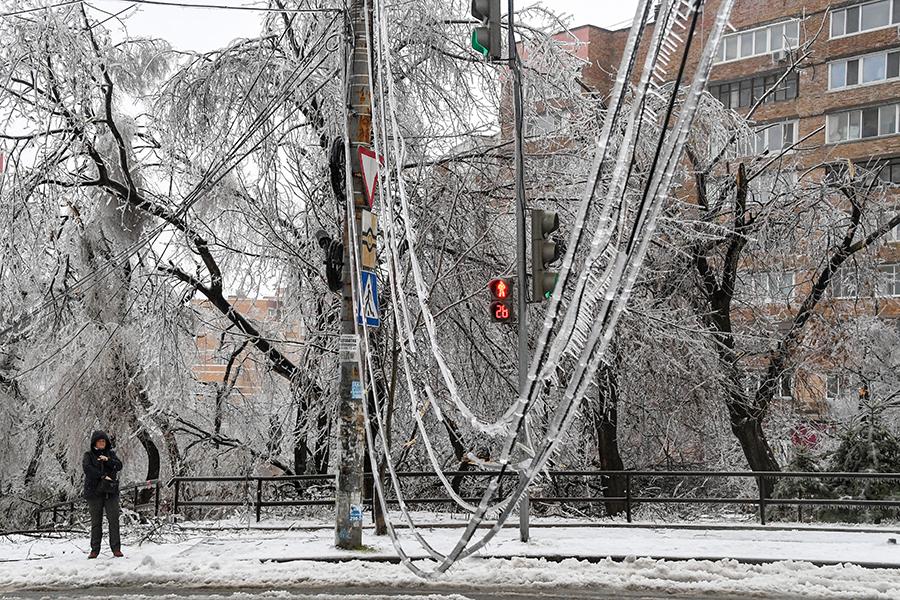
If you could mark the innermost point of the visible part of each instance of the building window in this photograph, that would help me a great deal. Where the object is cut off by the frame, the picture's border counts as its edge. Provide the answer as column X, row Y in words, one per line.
column 861, row 123
column 772, row 187
column 746, row 92
column 545, row 123
column 864, row 17
column 759, row 41
column 890, row 172
column 887, row 170
column 893, row 236
column 783, row 386
column 836, row 386
column 844, row 283
column 873, row 68
column 764, row 287
column 775, row 136
column 889, row 280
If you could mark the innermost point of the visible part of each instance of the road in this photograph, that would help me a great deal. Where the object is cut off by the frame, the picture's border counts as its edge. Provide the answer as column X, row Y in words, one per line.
column 350, row 593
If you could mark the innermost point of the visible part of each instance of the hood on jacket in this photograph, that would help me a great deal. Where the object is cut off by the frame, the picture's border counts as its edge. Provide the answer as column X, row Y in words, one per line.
column 100, row 435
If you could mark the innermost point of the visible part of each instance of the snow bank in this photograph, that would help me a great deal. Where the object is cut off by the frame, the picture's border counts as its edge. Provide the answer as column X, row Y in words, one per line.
column 229, row 558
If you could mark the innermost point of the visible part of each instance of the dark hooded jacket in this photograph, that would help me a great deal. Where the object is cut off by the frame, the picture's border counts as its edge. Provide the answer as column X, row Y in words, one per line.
column 95, row 469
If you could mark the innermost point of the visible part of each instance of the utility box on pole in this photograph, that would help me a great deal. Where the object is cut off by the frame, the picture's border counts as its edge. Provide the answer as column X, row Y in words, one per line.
column 351, row 425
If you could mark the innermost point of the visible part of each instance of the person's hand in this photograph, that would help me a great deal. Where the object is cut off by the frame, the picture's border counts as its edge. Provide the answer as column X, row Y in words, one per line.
column 107, row 477
column 103, row 458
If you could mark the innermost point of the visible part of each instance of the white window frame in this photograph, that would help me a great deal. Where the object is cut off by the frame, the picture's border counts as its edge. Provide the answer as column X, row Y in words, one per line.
column 784, row 378
column 858, row 112
column 840, row 382
column 843, row 9
column 893, row 235
column 844, row 275
column 767, row 128
column 859, row 80
column 720, row 53
column 756, row 295
column 892, row 269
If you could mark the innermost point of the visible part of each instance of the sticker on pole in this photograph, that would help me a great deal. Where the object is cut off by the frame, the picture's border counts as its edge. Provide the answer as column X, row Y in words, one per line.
column 367, row 307
column 356, row 513
column 356, row 390
column 348, row 347
column 369, row 165
column 368, row 239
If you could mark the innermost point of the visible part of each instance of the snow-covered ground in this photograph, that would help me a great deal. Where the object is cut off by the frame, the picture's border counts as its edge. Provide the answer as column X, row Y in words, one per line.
column 248, row 559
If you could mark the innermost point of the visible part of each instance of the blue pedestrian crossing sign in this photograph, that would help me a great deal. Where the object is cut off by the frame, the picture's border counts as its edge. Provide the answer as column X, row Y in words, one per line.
column 367, row 306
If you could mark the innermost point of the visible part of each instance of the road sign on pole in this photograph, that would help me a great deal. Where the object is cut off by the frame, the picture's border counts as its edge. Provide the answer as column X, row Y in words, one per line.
column 369, row 164
column 368, row 240
column 367, row 308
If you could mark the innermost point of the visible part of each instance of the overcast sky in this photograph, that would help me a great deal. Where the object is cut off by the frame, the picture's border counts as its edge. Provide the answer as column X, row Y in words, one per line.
column 205, row 29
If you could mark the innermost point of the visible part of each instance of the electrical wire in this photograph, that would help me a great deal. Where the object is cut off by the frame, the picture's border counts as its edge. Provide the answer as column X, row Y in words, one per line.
column 599, row 337
column 264, row 9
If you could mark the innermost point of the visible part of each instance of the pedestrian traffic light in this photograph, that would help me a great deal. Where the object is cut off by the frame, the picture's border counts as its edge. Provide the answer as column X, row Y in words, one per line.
column 501, row 296
column 486, row 39
column 543, row 252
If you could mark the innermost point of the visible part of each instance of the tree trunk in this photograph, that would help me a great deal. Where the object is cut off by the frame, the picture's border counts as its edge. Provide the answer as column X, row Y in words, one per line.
column 40, row 441
column 322, row 445
column 760, row 457
column 153, row 463
column 605, row 418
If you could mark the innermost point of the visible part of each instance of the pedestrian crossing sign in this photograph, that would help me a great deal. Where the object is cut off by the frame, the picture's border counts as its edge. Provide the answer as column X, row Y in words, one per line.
column 367, row 307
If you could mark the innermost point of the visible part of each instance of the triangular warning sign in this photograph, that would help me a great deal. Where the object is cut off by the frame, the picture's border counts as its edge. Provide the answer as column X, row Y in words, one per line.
column 369, row 164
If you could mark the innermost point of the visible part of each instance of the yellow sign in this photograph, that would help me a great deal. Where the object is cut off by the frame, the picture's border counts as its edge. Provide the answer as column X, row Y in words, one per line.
column 368, row 240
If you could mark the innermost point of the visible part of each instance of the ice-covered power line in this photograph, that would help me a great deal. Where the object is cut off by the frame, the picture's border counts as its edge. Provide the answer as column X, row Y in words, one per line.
column 585, row 308
column 164, row 3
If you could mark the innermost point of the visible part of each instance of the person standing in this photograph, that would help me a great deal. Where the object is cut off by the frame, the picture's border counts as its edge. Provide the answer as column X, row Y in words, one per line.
column 101, row 490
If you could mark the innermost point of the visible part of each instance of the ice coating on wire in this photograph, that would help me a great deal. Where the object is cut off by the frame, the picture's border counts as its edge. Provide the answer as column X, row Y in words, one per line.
column 615, row 294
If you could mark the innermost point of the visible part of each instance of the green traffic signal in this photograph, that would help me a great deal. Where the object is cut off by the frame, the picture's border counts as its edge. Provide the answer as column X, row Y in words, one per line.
column 486, row 39
column 544, row 252
column 476, row 45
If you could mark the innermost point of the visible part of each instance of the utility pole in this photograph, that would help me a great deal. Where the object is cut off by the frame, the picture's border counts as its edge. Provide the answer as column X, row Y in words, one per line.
column 522, row 301
column 351, row 426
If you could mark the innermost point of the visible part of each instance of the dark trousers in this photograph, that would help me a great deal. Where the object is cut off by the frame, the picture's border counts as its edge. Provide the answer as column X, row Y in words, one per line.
column 97, row 506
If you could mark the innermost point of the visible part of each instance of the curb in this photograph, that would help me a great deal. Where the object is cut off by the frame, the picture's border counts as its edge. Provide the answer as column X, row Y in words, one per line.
column 592, row 558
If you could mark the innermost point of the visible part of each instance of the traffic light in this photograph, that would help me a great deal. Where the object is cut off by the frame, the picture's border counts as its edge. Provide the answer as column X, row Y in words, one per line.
column 543, row 252
column 501, row 304
column 486, row 39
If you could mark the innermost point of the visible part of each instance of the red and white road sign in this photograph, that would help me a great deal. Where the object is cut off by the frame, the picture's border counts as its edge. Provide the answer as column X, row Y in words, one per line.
column 369, row 165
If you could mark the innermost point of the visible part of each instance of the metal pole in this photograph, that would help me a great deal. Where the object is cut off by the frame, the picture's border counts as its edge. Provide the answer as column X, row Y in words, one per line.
column 760, row 483
column 259, row 483
column 521, row 265
column 349, row 484
column 628, row 497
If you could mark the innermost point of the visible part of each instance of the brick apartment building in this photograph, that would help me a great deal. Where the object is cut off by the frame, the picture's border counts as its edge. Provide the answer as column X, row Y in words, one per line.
column 215, row 346
column 843, row 102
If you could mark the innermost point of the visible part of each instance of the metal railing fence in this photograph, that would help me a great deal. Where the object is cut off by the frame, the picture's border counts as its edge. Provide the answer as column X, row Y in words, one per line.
column 257, row 491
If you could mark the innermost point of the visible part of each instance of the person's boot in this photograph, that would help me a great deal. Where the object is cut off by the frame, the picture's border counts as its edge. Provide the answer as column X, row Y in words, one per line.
column 118, row 553
column 93, row 554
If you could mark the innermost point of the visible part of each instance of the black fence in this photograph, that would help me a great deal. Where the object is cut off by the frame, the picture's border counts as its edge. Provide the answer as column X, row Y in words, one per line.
column 571, row 488
column 143, row 497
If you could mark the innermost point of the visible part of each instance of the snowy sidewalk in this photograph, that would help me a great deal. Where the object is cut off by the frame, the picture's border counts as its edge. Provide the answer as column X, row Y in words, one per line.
column 747, row 545
column 245, row 558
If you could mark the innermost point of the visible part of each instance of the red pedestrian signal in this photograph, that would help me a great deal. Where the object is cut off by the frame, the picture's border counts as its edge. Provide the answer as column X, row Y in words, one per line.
column 499, row 288
column 501, row 296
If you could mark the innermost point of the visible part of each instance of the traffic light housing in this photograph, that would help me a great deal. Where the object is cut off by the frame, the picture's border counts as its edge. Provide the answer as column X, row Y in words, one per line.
column 544, row 252
column 501, row 300
column 486, row 39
